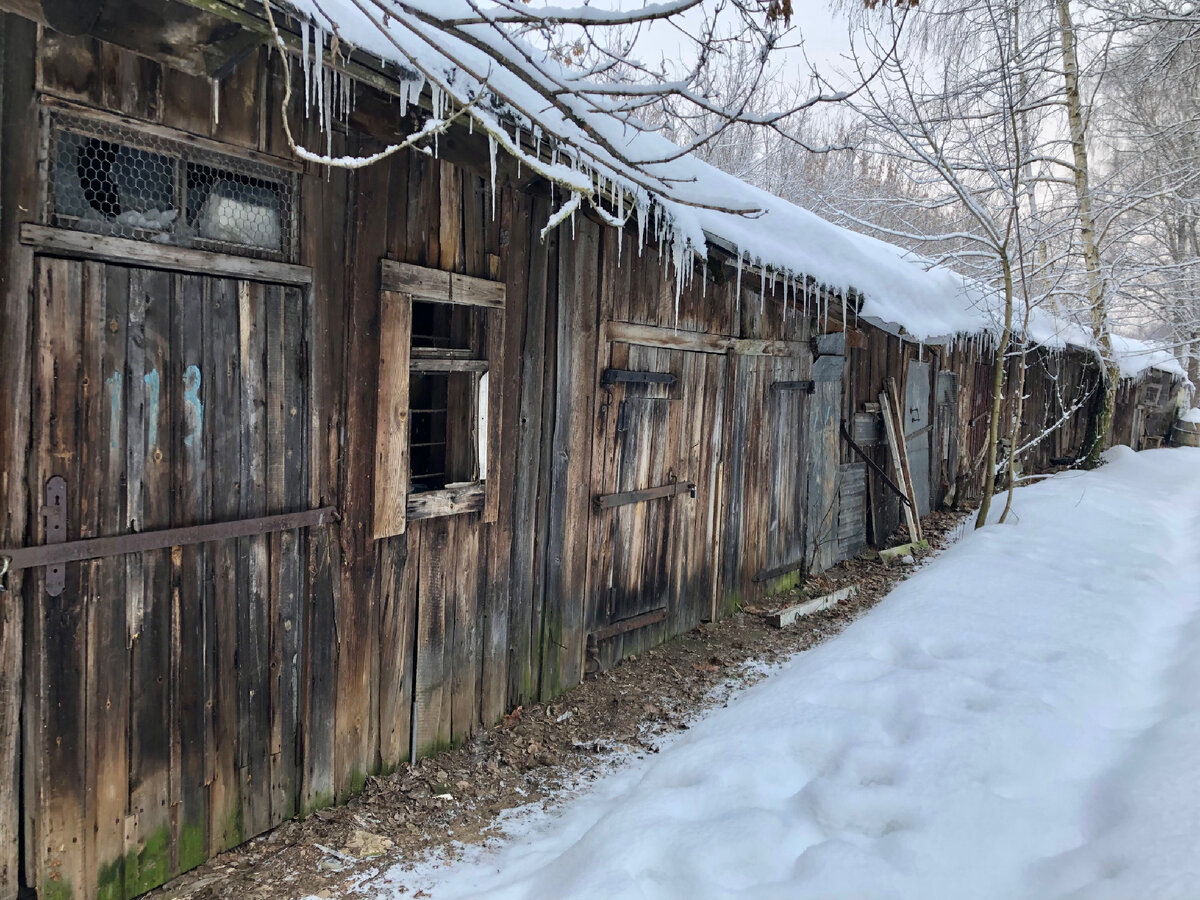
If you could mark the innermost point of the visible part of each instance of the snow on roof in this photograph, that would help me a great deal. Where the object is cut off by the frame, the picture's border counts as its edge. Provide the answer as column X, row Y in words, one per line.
column 1137, row 357
column 686, row 201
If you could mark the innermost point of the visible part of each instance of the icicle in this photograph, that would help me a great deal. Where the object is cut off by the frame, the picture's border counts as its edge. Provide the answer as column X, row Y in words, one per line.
column 492, row 161
column 762, row 290
column 304, row 38
column 327, row 97
column 216, row 102
column 641, row 224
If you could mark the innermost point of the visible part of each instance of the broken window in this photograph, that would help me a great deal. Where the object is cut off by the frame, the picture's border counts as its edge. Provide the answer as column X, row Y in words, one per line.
column 440, row 342
column 111, row 179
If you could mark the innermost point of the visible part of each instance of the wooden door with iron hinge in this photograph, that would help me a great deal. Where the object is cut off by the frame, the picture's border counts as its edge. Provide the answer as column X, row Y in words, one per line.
column 166, row 603
column 642, row 477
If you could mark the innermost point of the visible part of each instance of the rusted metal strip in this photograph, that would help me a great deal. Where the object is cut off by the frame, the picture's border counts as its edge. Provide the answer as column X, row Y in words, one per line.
column 624, row 376
column 777, row 571
column 608, row 501
column 875, row 467
column 631, row 624
column 808, row 387
column 98, row 548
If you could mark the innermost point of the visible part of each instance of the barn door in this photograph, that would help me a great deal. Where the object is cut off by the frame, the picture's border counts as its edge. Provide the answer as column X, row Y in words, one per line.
column 643, row 478
column 917, row 428
column 166, row 681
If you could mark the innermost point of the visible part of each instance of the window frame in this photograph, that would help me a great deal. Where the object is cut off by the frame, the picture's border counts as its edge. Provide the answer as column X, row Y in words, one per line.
column 400, row 285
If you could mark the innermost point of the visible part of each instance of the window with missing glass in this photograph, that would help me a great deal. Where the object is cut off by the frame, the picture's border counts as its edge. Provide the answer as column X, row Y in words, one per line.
column 438, row 415
column 112, row 179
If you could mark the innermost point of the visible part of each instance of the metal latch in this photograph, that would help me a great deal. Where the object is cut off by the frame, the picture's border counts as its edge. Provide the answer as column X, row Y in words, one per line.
column 55, row 515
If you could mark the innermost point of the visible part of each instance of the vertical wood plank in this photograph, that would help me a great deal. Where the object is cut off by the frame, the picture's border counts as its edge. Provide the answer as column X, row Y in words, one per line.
column 356, row 741
column 18, row 157
column 61, row 649
column 430, row 733
column 397, row 620
column 108, row 655
column 563, row 636
column 392, row 425
column 148, row 841
column 224, row 452
column 253, row 640
column 191, row 655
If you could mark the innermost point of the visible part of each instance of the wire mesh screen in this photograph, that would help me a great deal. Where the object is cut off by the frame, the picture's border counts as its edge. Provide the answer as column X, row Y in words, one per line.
column 111, row 180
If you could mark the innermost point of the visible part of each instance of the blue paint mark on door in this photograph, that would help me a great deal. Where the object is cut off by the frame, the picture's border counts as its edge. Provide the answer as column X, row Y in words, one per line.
column 152, row 385
column 192, row 405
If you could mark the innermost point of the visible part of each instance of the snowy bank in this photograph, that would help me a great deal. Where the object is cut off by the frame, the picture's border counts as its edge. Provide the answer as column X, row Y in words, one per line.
column 1019, row 719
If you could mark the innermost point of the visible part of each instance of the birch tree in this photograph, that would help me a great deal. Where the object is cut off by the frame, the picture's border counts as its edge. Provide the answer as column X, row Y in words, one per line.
column 961, row 127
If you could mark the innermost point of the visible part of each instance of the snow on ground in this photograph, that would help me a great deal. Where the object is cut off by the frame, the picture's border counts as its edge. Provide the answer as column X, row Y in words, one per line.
column 1019, row 719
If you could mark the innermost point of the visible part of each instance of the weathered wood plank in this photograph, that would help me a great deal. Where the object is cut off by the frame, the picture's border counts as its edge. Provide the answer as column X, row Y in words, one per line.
column 357, row 718
column 503, row 441
column 148, row 844
column 18, row 157
column 324, row 199
column 191, row 653
column 430, row 732
column 60, row 631
column 392, row 425
column 398, row 573
column 441, row 286
column 495, row 413
column 447, row 502
column 253, row 629
column 699, row 342
column 224, row 452
column 563, row 636
column 108, row 655
column 81, row 245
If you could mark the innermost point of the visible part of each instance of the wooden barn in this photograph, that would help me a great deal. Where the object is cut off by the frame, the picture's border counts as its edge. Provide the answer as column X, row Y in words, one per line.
column 308, row 472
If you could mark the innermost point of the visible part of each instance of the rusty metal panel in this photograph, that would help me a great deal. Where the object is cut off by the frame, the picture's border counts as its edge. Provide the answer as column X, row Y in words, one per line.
column 917, row 421
column 828, row 368
column 852, row 511
column 866, row 429
column 831, row 344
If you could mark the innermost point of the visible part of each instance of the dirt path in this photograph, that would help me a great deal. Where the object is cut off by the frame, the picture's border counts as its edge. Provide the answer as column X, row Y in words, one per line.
column 458, row 796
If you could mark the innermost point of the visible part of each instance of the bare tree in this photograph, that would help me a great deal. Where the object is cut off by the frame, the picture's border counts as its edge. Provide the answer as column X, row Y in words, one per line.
column 965, row 126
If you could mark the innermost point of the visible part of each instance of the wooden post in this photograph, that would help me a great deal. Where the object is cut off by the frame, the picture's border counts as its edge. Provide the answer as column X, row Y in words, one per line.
column 902, row 445
column 889, row 427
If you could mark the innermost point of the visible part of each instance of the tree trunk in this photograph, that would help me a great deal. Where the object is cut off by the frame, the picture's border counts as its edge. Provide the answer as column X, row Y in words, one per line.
column 989, row 465
column 1110, row 373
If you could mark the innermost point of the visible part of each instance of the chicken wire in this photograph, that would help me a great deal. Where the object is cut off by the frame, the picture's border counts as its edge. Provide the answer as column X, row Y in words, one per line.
column 112, row 180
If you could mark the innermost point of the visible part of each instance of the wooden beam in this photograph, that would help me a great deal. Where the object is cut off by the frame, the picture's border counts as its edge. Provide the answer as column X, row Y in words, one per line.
column 626, row 625
column 435, row 285
column 786, row 616
column 447, row 365
column 448, row 502
column 625, row 498
column 772, row 573
column 139, row 127
column 123, row 251
column 140, row 542
column 902, row 441
column 699, row 342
